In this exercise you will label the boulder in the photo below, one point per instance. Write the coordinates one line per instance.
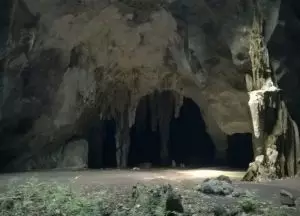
(216, 187)
(287, 198)
(74, 155)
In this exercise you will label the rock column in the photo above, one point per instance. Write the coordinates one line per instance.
(275, 135)
(122, 139)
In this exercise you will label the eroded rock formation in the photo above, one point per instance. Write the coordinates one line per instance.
(66, 63)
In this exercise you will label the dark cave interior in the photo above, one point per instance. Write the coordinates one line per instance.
(189, 143)
(240, 151)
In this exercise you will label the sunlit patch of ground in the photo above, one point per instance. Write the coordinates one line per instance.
(191, 174)
(211, 173)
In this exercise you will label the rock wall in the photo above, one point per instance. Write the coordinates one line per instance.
(66, 62)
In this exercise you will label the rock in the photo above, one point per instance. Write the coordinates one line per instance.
(238, 193)
(224, 178)
(220, 210)
(216, 187)
(287, 198)
(135, 168)
(75, 155)
(259, 159)
(206, 180)
(173, 164)
(173, 203)
(145, 165)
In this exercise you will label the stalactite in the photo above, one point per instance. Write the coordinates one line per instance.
(178, 99)
(132, 113)
(116, 104)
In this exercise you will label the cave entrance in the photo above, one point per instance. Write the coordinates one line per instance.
(190, 144)
(167, 130)
(102, 145)
(185, 134)
(240, 150)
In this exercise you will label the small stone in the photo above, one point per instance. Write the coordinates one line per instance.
(238, 193)
(173, 163)
(135, 168)
(287, 198)
(206, 180)
(224, 178)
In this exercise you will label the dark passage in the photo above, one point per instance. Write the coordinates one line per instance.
(240, 152)
(145, 142)
(189, 143)
(102, 145)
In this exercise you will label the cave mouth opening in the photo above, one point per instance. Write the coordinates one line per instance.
(240, 150)
(188, 143)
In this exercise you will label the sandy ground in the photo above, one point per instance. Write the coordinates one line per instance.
(92, 179)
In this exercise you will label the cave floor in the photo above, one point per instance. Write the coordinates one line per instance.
(183, 179)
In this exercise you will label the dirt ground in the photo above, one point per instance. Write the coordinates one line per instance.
(181, 178)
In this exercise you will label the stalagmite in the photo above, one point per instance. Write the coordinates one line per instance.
(297, 146)
(276, 136)
(122, 139)
(256, 104)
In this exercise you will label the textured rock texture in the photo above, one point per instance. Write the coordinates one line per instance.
(65, 62)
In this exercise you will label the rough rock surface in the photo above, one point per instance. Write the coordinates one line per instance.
(75, 155)
(66, 62)
(218, 186)
(287, 198)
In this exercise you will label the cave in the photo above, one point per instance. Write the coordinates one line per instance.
(188, 143)
(163, 117)
(240, 150)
